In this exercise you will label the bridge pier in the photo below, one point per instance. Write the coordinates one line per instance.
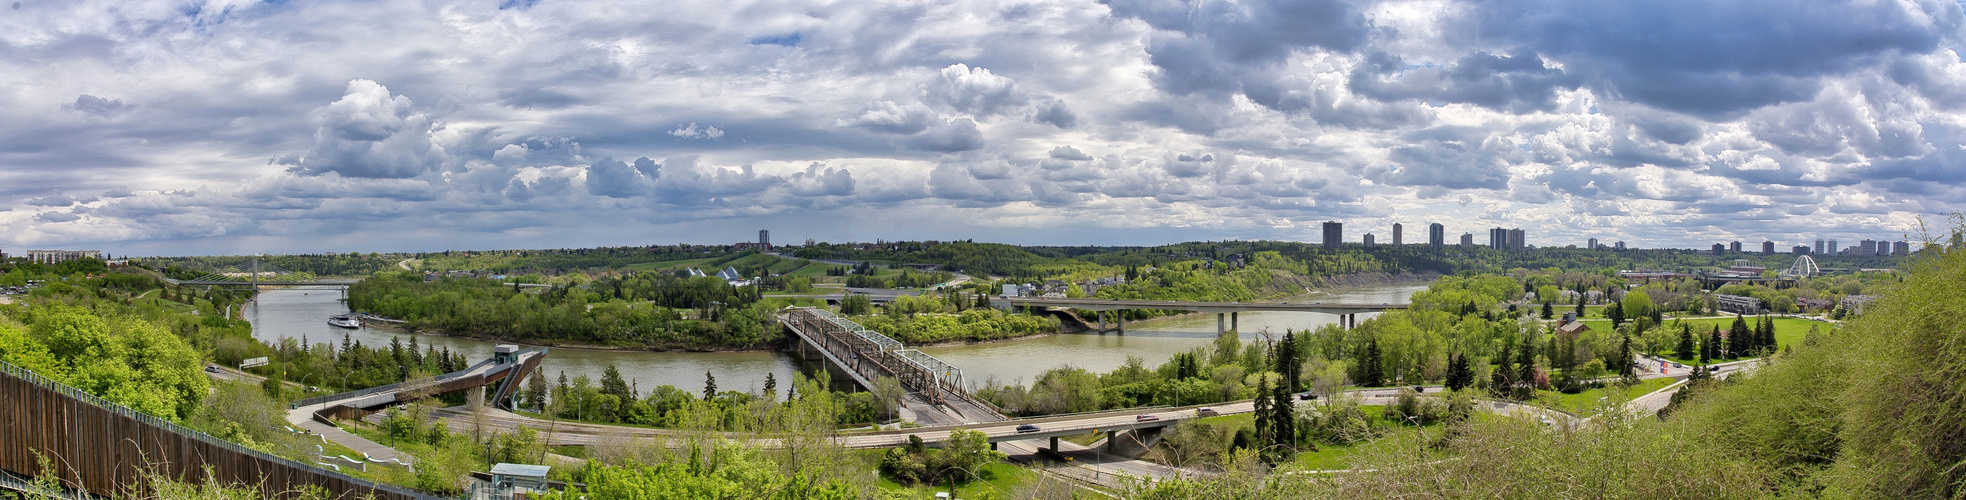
(1102, 321)
(1232, 322)
(1054, 443)
(1220, 327)
(1122, 325)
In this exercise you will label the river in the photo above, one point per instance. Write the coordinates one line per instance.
(304, 314)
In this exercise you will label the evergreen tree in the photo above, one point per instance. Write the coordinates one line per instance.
(1370, 374)
(535, 393)
(771, 385)
(1549, 311)
(1685, 350)
(1629, 372)
(709, 386)
(1287, 363)
(1460, 372)
(1739, 338)
(1580, 306)
(612, 384)
(1504, 373)
(1283, 423)
(1617, 314)
(1712, 350)
(1525, 363)
(1262, 410)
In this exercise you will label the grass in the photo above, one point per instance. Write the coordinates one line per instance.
(1788, 331)
(999, 480)
(670, 264)
(812, 269)
(1579, 402)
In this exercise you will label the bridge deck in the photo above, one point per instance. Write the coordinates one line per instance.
(1205, 307)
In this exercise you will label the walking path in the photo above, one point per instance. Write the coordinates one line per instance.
(303, 418)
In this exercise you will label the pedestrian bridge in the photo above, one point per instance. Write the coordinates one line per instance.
(506, 370)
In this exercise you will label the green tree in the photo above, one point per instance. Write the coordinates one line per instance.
(1685, 348)
(709, 386)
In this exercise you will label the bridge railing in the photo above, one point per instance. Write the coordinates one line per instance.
(107, 469)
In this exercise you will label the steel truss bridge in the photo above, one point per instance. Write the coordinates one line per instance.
(934, 387)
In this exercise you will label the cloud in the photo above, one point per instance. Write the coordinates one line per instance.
(886, 116)
(97, 106)
(977, 91)
(371, 133)
(956, 136)
(691, 132)
(1068, 153)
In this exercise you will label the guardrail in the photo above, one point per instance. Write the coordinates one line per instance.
(91, 440)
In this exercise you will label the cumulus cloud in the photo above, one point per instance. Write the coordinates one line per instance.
(1162, 119)
(371, 133)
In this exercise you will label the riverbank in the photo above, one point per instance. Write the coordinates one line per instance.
(1310, 291)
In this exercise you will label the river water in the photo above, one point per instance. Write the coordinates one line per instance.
(304, 314)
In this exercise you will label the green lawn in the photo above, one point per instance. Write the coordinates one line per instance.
(672, 264)
(812, 269)
(1788, 331)
(999, 480)
(1584, 401)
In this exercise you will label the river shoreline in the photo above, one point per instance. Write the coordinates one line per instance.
(1341, 281)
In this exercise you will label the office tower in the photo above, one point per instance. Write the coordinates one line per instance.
(1397, 236)
(1467, 239)
(1592, 245)
(1334, 233)
(764, 238)
(1437, 235)
(1867, 248)
(1819, 245)
(1516, 238)
(1831, 247)
(1498, 238)
(1734, 247)
(1768, 248)
(1367, 240)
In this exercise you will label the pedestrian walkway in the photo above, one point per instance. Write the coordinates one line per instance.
(303, 418)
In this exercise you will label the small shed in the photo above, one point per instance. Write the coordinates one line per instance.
(1573, 328)
(519, 478)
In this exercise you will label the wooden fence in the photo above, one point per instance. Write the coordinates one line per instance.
(105, 448)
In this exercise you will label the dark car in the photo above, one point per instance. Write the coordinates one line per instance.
(1419, 388)
(1027, 428)
(1308, 396)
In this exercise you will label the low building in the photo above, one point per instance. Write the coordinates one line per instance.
(1739, 304)
(59, 256)
(1573, 328)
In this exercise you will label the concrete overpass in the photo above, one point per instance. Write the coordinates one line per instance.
(505, 371)
(1225, 312)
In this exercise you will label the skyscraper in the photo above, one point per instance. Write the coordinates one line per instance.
(1398, 238)
(1619, 246)
(1467, 239)
(1819, 246)
(1516, 237)
(1768, 248)
(1832, 248)
(1437, 235)
(1592, 245)
(1367, 240)
(1901, 248)
(1734, 247)
(1867, 248)
(1334, 233)
(1719, 249)
(764, 238)
(1498, 238)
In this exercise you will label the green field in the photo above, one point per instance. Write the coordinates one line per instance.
(999, 480)
(1788, 331)
(1583, 402)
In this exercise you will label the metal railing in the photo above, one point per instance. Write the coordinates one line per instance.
(171, 427)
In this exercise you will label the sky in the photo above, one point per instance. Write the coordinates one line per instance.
(235, 127)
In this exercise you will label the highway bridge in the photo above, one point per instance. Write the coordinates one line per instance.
(1225, 312)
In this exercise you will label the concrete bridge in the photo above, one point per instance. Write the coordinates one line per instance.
(935, 389)
(1225, 312)
(505, 372)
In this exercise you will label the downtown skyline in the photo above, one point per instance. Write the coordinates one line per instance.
(162, 128)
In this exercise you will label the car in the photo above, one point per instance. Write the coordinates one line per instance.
(1206, 412)
(1145, 418)
(211, 369)
(1027, 428)
(1308, 396)
(1419, 388)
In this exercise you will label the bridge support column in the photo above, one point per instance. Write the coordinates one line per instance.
(1122, 325)
(993, 446)
(1233, 322)
(1054, 443)
(1102, 321)
(1220, 327)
